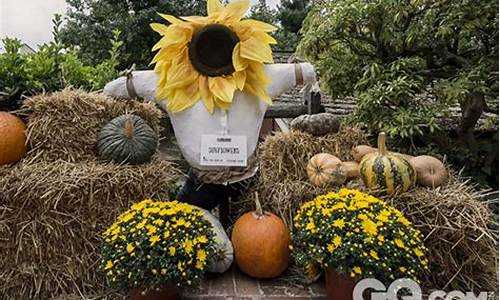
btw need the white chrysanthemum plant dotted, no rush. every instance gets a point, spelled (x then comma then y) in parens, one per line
(215, 76)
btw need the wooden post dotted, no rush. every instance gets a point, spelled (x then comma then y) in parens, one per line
(315, 106)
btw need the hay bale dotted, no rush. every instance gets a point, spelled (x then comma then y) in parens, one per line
(284, 156)
(52, 214)
(453, 218)
(64, 125)
(456, 224)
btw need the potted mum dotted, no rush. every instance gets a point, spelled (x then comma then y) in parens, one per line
(352, 235)
(156, 248)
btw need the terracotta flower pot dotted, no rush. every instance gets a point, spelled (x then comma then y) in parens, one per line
(165, 294)
(338, 286)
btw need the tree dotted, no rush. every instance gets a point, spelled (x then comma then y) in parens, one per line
(260, 11)
(406, 61)
(291, 14)
(287, 40)
(90, 23)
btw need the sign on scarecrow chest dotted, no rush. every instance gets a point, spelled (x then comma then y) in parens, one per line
(223, 150)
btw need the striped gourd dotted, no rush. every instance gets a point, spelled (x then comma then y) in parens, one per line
(387, 172)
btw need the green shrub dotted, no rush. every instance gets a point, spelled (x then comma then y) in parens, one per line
(51, 68)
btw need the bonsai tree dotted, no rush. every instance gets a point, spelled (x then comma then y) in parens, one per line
(407, 61)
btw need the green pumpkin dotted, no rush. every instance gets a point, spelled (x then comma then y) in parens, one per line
(127, 139)
(387, 172)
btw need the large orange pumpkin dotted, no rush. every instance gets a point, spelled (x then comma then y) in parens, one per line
(12, 138)
(261, 243)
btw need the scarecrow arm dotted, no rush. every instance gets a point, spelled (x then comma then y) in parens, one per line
(143, 82)
(284, 77)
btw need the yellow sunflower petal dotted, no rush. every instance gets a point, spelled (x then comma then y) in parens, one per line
(257, 73)
(206, 95)
(222, 87)
(184, 98)
(181, 57)
(161, 43)
(162, 93)
(222, 105)
(162, 70)
(178, 102)
(160, 28)
(214, 6)
(259, 91)
(243, 32)
(167, 51)
(254, 49)
(209, 104)
(234, 11)
(213, 17)
(181, 75)
(174, 35)
(196, 19)
(179, 33)
(171, 19)
(156, 60)
(257, 25)
(240, 79)
(239, 63)
(264, 37)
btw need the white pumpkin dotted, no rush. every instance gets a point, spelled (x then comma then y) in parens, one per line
(221, 262)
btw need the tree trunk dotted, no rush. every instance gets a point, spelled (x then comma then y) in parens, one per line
(472, 109)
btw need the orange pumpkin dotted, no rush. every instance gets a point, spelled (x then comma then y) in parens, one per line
(12, 138)
(261, 243)
(325, 169)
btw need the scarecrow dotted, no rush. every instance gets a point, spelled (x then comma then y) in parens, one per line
(215, 77)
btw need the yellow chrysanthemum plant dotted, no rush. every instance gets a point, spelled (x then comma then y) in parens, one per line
(209, 58)
(157, 244)
(359, 236)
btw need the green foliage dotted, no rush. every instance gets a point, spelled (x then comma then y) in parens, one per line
(51, 68)
(387, 53)
(287, 40)
(291, 14)
(90, 24)
(260, 11)
(388, 98)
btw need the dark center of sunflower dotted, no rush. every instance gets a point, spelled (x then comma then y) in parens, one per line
(211, 50)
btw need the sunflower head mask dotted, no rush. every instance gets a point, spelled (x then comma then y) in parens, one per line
(209, 58)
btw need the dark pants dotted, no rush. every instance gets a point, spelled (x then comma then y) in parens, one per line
(209, 195)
